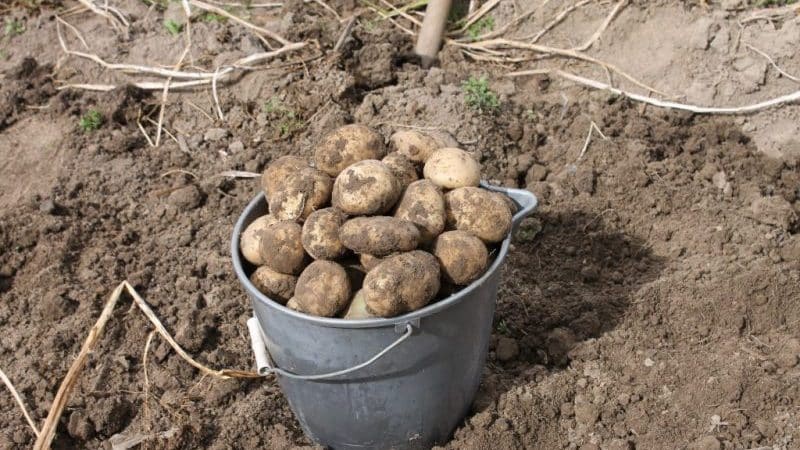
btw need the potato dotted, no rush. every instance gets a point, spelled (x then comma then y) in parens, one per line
(401, 284)
(321, 234)
(277, 172)
(299, 194)
(452, 168)
(478, 211)
(277, 286)
(366, 187)
(346, 146)
(250, 241)
(423, 205)
(282, 248)
(512, 206)
(462, 256)
(415, 146)
(358, 308)
(323, 289)
(292, 304)
(379, 235)
(402, 168)
(369, 262)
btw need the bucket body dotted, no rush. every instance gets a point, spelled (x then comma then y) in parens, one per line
(411, 398)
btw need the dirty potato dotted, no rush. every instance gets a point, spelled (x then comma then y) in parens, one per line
(299, 194)
(401, 284)
(369, 262)
(346, 146)
(358, 308)
(277, 286)
(402, 168)
(423, 205)
(462, 256)
(323, 289)
(479, 212)
(279, 170)
(415, 146)
(282, 248)
(452, 168)
(366, 187)
(250, 241)
(379, 235)
(321, 234)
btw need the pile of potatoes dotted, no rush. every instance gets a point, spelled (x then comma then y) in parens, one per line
(361, 233)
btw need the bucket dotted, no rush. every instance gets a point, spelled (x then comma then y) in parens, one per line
(388, 383)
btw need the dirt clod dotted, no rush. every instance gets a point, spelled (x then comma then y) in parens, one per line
(507, 349)
(186, 198)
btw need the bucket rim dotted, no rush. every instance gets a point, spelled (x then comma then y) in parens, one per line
(380, 322)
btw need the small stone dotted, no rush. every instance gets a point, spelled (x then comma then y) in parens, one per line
(590, 273)
(708, 171)
(705, 443)
(529, 228)
(791, 250)
(186, 198)
(567, 409)
(774, 211)
(788, 354)
(235, 147)
(79, 426)
(215, 134)
(48, 206)
(649, 362)
(507, 349)
(537, 172)
(515, 131)
(586, 414)
(720, 180)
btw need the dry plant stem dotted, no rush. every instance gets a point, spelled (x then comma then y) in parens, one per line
(402, 13)
(117, 19)
(146, 406)
(224, 373)
(592, 127)
(789, 98)
(216, 10)
(329, 9)
(19, 401)
(772, 62)
(45, 438)
(603, 27)
(348, 28)
(569, 53)
(238, 174)
(556, 20)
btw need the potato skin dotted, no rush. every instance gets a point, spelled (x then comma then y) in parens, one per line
(346, 146)
(423, 205)
(415, 146)
(369, 262)
(452, 168)
(320, 235)
(479, 212)
(277, 286)
(402, 168)
(277, 172)
(299, 194)
(462, 256)
(282, 248)
(358, 308)
(401, 284)
(379, 235)
(323, 289)
(250, 240)
(366, 187)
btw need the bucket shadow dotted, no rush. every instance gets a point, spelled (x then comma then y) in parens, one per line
(571, 281)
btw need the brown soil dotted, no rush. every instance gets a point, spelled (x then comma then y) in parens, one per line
(653, 301)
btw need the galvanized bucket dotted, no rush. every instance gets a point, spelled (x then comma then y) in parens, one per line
(399, 383)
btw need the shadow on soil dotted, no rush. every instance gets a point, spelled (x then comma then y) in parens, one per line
(569, 280)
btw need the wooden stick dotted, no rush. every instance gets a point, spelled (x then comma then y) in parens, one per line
(788, 98)
(19, 401)
(430, 35)
(45, 438)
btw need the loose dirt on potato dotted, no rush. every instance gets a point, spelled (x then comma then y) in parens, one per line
(652, 301)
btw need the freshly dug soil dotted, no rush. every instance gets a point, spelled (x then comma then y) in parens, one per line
(651, 302)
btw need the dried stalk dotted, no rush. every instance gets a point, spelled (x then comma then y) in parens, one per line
(19, 401)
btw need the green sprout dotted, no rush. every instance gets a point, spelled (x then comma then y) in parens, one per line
(285, 121)
(478, 96)
(211, 17)
(90, 121)
(13, 27)
(173, 27)
(480, 27)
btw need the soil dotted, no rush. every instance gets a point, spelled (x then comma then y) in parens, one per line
(652, 301)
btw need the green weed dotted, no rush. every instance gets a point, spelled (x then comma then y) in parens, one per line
(90, 121)
(285, 121)
(174, 28)
(478, 96)
(13, 27)
(211, 17)
(480, 28)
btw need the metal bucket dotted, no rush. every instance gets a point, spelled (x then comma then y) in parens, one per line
(398, 383)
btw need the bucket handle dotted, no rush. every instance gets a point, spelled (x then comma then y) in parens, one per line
(265, 367)
(526, 200)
